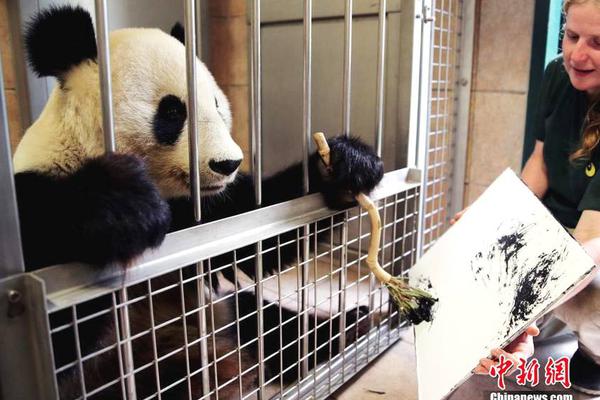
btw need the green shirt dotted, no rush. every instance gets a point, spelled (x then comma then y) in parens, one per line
(572, 186)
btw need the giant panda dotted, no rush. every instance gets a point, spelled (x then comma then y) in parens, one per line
(77, 203)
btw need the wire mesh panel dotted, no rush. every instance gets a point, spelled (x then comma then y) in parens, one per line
(444, 58)
(155, 352)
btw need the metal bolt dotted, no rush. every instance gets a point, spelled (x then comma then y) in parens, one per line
(15, 304)
(14, 296)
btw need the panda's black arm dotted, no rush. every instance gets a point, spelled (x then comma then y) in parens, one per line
(107, 211)
(354, 168)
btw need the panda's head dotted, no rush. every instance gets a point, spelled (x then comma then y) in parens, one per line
(148, 75)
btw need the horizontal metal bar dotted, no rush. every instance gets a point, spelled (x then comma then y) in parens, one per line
(277, 11)
(69, 284)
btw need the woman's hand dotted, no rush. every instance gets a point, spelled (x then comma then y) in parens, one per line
(521, 347)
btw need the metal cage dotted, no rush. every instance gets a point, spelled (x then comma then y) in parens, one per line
(342, 316)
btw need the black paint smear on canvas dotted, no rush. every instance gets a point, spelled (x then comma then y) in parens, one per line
(507, 247)
(530, 288)
(510, 245)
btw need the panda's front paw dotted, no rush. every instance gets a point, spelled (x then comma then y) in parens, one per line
(354, 168)
(118, 211)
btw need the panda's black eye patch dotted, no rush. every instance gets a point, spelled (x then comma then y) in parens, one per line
(169, 119)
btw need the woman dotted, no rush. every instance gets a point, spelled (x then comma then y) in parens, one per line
(564, 171)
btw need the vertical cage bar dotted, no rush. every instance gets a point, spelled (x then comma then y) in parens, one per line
(306, 140)
(125, 332)
(255, 89)
(185, 334)
(115, 312)
(105, 81)
(192, 92)
(415, 86)
(280, 311)
(237, 323)
(211, 303)
(256, 104)
(358, 282)
(347, 100)
(10, 233)
(154, 344)
(307, 93)
(315, 311)
(331, 246)
(393, 262)
(108, 127)
(380, 76)
(194, 158)
(202, 326)
(382, 258)
(426, 70)
(342, 288)
(80, 373)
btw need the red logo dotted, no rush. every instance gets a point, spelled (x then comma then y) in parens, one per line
(498, 371)
(528, 372)
(555, 371)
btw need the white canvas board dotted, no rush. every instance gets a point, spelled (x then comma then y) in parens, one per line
(498, 269)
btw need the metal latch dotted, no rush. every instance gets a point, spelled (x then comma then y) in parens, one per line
(427, 14)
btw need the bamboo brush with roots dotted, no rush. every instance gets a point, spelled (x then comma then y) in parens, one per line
(413, 303)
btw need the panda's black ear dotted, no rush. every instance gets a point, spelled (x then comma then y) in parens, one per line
(58, 39)
(178, 32)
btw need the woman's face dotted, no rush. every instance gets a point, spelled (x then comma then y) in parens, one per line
(581, 47)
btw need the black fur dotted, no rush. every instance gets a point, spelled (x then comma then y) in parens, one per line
(169, 119)
(108, 211)
(58, 39)
(178, 32)
(354, 168)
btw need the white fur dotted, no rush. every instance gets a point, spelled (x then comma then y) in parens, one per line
(147, 64)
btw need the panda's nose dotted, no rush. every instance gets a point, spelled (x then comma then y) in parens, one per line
(225, 167)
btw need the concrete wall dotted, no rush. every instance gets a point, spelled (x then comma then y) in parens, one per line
(502, 50)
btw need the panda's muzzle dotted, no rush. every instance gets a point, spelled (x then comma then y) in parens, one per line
(224, 167)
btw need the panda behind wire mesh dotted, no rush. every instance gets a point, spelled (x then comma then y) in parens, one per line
(77, 203)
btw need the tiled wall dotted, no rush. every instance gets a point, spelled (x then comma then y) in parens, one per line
(10, 86)
(502, 50)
